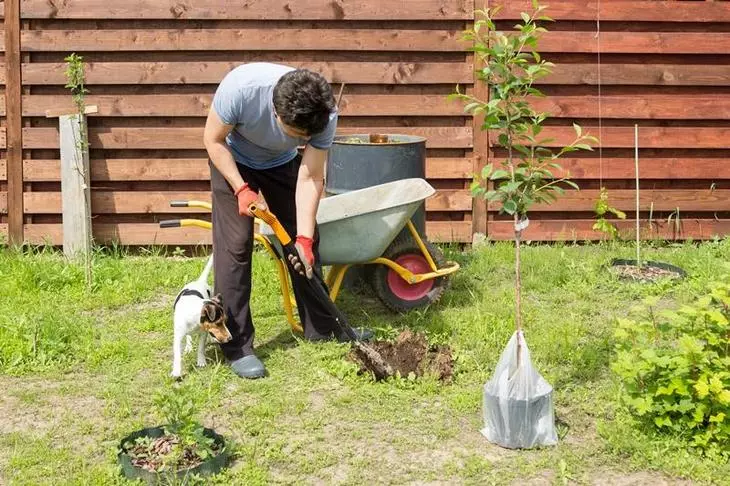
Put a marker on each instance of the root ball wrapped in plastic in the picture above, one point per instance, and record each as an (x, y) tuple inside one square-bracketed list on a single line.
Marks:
[(518, 402)]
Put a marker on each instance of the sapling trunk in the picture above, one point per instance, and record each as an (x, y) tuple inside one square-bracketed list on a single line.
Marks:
[(636, 165), (518, 284)]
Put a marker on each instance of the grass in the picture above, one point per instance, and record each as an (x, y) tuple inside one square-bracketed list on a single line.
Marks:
[(79, 371)]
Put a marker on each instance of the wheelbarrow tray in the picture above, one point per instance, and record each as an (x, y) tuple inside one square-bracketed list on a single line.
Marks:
[(357, 226)]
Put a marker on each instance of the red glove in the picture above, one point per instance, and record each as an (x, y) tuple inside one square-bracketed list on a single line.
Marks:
[(245, 196), (304, 260)]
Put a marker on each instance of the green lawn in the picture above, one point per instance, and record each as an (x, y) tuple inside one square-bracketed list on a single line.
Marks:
[(79, 370)]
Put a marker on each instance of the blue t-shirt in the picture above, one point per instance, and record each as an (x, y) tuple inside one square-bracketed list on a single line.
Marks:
[(245, 99)]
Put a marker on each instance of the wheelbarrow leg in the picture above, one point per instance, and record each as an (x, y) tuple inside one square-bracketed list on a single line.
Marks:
[(334, 279), (422, 246), (283, 282)]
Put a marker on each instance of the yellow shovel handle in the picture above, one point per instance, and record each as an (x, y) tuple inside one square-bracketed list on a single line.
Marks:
[(268, 217)]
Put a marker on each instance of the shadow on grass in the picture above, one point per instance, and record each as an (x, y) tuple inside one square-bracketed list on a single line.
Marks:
[(284, 340)]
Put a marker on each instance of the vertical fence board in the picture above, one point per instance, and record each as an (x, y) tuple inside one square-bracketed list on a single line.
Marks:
[(14, 140)]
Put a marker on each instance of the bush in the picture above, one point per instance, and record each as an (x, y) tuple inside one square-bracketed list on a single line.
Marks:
[(675, 368)]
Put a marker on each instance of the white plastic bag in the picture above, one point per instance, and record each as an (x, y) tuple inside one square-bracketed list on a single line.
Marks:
[(518, 402)]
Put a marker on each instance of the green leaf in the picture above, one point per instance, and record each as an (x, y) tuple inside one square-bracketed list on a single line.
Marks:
[(525, 17), (509, 207), (663, 421), (578, 129), (499, 174), (487, 170), (718, 418), (716, 385), (702, 388)]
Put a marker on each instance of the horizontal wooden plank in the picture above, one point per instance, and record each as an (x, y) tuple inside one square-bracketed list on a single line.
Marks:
[(3, 232), (581, 230), (192, 138), (649, 137), (150, 233), (2, 105), (449, 200), (449, 168), (106, 170), (3, 139), (449, 231), (625, 10), (4, 170), (638, 106), (640, 74), (242, 39), (257, 10), (198, 105), (649, 168), (147, 202), (636, 42), (3, 202), (123, 233), (114, 73), (625, 200), (2, 72), (115, 202)]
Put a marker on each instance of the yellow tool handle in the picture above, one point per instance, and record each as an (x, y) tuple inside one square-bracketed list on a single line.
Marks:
[(267, 217)]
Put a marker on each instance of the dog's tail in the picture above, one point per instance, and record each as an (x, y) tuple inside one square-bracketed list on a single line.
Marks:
[(206, 271)]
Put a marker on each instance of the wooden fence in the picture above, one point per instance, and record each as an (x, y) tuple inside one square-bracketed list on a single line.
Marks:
[(153, 65)]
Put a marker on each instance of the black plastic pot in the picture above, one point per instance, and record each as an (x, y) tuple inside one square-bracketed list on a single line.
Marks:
[(518, 424), (633, 263), (209, 467)]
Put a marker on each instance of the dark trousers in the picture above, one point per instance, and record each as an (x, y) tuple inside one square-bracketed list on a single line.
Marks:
[(233, 247)]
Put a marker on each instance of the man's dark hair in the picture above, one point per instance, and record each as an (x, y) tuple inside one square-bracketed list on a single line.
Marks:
[(303, 99)]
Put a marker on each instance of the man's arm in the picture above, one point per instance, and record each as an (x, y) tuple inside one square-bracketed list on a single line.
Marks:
[(310, 183), (214, 138)]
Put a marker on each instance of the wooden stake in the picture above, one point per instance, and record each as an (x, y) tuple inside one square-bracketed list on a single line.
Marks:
[(75, 186)]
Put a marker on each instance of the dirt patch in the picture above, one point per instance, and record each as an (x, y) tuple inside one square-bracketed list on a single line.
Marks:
[(641, 478), (645, 273), (410, 353), (105, 314), (23, 409)]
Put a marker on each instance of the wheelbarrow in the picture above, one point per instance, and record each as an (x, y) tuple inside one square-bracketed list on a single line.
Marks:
[(364, 227)]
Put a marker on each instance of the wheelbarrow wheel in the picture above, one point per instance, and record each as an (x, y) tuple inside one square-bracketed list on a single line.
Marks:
[(397, 294)]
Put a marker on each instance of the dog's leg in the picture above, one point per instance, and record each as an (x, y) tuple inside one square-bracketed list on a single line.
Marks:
[(177, 349), (188, 343), (201, 348)]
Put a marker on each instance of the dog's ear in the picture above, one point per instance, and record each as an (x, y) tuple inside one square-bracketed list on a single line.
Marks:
[(209, 312), (218, 298)]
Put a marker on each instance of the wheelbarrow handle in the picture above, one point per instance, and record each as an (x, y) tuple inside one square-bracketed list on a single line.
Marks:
[(268, 217)]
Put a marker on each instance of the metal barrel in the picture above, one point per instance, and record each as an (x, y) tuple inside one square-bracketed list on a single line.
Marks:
[(360, 161), (365, 160)]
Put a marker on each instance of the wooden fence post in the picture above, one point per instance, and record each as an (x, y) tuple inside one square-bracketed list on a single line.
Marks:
[(13, 117)]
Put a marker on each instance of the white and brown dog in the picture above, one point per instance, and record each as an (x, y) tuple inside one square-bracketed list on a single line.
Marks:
[(196, 309)]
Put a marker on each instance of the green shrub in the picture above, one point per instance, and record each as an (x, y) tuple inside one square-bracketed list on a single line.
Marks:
[(675, 368)]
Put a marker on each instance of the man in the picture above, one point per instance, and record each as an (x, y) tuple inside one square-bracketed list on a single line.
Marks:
[(260, 114)]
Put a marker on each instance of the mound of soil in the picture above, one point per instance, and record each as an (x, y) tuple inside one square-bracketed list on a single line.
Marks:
[(410, 353), (644, 273)]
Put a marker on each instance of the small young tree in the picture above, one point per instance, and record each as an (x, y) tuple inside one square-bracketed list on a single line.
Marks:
[(510, 66)]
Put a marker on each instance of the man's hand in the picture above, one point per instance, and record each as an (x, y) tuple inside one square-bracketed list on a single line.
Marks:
[(303, 261), (246, 196)]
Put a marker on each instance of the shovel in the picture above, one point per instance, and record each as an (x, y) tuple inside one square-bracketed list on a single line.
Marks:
[(370, 357)]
